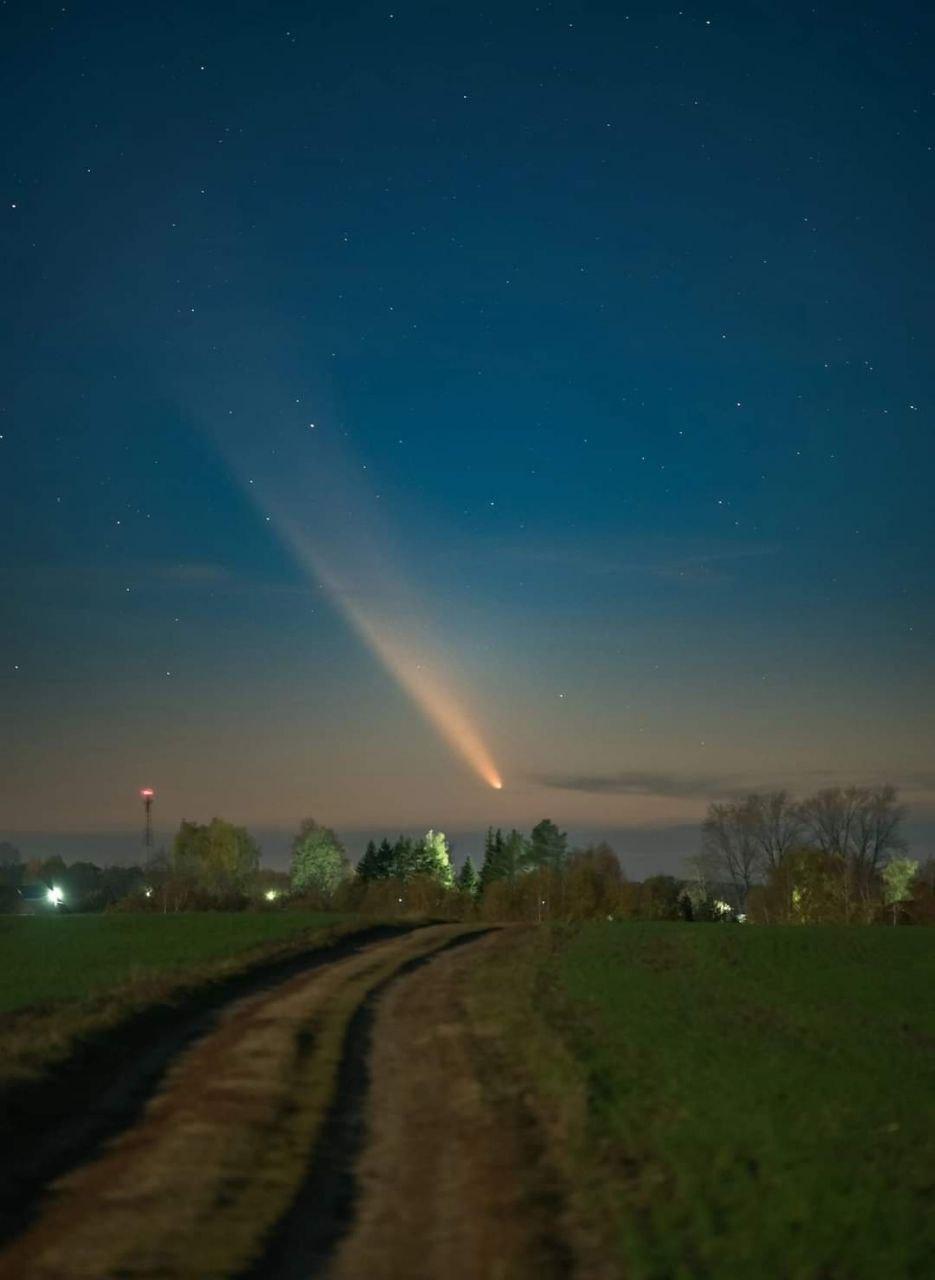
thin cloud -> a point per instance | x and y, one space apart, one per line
694 786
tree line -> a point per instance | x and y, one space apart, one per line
834 856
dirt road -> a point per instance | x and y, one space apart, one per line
450 1183
345 1123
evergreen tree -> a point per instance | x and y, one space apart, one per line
407 857
513 854
490 867
432 857
468 880
548 847
369 865
386 860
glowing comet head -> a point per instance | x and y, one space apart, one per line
496 784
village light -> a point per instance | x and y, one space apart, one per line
55 896
271 895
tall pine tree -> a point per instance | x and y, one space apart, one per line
468 880
492 867
514 854
368 865
407 857
548 847
377 863
433 858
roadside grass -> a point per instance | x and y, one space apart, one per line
47 959
726 1101
66 980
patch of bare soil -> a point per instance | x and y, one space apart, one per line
450 1185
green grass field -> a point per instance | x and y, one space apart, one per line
733 1101
66 958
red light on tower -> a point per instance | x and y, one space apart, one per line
148 795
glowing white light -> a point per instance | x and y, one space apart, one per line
55 896
271 895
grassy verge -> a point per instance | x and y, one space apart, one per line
102 971
723 1101
52 959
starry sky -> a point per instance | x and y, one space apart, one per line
587 344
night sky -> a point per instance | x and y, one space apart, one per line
581 352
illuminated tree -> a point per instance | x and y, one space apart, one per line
319 863
898 875
433 858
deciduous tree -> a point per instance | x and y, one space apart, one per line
319 863
898 875
218 856
728 836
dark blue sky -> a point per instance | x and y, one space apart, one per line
615 321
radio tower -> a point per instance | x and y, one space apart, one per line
148 795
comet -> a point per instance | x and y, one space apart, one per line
409 655
323 513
